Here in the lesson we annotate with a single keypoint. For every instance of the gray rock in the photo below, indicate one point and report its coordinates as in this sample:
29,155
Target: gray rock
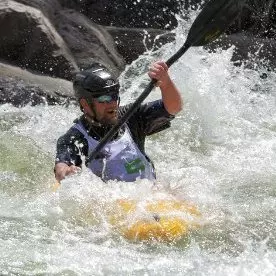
252,50
29,40
20,87
131,43
48,7
88,41
157,14
258,17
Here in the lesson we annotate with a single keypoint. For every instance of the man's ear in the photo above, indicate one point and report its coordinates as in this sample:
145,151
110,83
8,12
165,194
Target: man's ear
86,107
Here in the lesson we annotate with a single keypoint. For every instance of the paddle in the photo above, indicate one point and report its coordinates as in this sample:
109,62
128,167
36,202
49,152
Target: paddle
213,19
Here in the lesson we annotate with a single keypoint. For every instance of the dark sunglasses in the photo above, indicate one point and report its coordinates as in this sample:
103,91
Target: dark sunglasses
107,98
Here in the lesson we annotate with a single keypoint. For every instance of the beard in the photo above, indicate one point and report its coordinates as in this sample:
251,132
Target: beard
109,118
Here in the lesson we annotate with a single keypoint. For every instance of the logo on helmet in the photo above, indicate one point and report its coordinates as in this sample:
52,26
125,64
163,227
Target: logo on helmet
110,82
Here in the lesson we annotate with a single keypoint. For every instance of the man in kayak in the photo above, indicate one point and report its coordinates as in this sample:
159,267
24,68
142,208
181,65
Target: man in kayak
124,157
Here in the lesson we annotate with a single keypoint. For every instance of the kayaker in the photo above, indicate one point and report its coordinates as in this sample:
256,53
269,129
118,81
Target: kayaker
124,157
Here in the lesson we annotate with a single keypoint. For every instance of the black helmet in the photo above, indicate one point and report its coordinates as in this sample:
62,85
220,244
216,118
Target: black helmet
94,82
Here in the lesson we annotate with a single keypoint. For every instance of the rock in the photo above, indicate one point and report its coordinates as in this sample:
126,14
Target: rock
131,43
258,17
30,41
49,8
250,49
158,14
88,41
20,87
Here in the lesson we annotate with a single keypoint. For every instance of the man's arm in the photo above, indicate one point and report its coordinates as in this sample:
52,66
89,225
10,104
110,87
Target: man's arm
62,170
68,156
170,94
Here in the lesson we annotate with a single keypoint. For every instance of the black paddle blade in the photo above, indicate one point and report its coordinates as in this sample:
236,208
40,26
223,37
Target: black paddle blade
213,20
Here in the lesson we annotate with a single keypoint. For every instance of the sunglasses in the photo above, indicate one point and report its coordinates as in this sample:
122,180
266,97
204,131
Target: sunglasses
107,98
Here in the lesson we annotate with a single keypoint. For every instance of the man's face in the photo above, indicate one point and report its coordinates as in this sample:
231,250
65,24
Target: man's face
106,112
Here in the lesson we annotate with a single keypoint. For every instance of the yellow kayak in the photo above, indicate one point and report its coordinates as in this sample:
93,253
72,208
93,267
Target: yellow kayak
161,220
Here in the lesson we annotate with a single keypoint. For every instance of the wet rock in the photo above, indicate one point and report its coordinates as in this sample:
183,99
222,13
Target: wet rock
249,49
88,42
19,94
29,40
258,17
49,8
158,14
131,43
20,87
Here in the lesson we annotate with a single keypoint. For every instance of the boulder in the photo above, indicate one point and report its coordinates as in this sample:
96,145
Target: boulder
49,8
258,17
252,50
88,42
30,41
20,87
131,43
157,14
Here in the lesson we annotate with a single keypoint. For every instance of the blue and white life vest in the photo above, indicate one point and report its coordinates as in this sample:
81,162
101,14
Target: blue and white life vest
119,159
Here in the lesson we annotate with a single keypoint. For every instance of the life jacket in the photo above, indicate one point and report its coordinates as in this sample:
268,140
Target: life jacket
120,159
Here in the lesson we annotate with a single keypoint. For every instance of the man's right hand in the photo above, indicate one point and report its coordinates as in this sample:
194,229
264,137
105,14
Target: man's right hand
62,170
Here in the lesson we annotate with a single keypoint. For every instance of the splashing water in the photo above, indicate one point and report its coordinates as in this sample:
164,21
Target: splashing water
220,153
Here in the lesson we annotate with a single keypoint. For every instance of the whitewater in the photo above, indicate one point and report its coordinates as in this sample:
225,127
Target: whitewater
220,154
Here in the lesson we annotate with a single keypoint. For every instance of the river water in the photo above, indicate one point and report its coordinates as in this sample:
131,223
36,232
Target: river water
220,154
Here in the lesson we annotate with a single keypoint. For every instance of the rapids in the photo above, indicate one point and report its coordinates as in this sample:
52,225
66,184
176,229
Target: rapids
220,154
